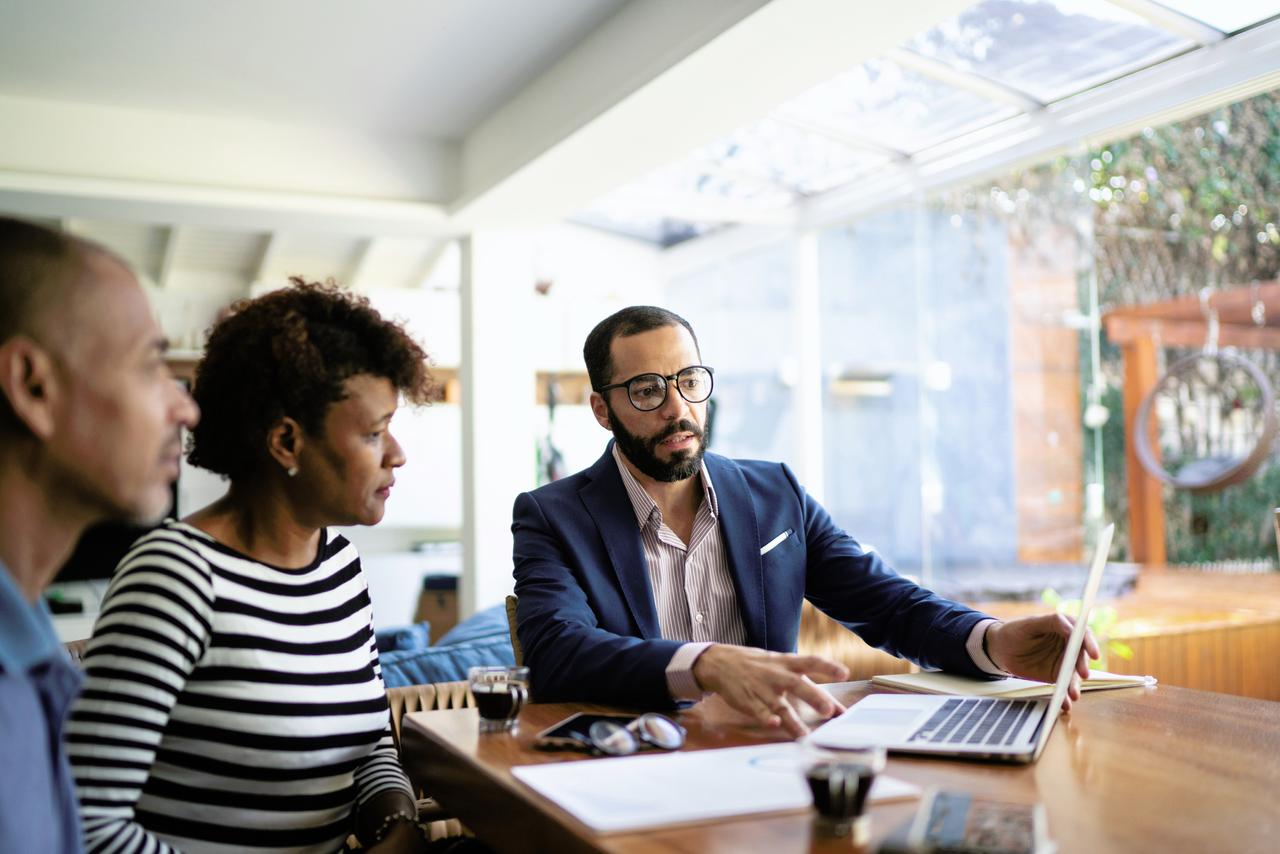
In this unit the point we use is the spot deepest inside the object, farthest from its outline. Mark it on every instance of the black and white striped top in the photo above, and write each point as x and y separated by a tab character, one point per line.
230	705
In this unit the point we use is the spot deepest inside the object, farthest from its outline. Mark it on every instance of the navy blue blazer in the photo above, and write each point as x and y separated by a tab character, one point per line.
587	619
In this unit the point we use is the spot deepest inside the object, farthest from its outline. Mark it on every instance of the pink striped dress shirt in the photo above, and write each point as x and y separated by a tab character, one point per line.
691	583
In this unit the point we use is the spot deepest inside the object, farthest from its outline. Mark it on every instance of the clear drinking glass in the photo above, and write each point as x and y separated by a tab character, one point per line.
840	781
500	692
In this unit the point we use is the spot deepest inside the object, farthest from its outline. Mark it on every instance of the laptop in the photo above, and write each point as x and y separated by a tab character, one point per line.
1005	730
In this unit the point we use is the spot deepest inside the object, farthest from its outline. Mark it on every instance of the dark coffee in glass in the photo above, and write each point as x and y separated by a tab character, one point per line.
840	787
500	692
499	702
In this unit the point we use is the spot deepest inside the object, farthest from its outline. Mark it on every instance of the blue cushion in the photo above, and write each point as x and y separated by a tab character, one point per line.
482	638
416	636
482	624
444	663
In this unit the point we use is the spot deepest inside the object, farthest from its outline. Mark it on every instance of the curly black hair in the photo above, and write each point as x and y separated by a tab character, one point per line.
288	353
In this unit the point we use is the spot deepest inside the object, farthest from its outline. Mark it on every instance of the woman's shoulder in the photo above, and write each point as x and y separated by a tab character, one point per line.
335	543
170	540
169	558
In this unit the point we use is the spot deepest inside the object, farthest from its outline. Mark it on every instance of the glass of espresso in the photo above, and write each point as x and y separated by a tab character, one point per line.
500	693
840	784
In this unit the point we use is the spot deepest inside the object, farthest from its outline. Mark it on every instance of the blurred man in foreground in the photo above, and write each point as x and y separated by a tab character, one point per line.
90	423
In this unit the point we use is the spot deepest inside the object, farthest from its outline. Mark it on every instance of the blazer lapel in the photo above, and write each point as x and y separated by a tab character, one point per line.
605	499
741	534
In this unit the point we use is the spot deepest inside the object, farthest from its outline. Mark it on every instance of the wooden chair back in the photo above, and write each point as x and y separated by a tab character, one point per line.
512	601
426	698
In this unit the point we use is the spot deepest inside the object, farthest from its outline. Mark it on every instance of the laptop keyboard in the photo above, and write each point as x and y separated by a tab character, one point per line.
985	721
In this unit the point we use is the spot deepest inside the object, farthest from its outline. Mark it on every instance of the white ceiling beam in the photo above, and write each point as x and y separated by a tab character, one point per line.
656	81
166	147
266	256
241	165
444	251
47	195
168	256
983	87
639	44
358	271
1172	21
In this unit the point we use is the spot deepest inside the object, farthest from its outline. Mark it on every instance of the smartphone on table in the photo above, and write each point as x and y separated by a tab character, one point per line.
573	731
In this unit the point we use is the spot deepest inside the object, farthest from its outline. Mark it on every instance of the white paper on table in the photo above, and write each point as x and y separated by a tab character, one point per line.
658	790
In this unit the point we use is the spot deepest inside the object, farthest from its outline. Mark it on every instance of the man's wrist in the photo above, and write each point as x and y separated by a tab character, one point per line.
978	645
986	643
696	659
682	683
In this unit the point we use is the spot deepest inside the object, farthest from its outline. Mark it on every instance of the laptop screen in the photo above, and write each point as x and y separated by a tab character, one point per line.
1072	651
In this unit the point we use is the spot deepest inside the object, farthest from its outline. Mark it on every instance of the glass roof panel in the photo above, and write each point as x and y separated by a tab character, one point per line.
776	153
1227	16
663	231
883	103
698	177
683	200
1048	48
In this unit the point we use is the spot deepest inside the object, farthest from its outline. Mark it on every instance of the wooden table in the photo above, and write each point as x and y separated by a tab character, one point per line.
1139	769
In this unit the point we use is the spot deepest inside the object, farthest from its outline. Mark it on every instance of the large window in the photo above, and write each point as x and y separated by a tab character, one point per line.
741	310
973	417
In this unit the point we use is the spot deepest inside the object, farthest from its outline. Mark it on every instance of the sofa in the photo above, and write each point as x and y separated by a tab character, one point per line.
409	658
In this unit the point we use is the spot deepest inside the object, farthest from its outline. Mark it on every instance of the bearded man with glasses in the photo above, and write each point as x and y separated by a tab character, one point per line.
663	573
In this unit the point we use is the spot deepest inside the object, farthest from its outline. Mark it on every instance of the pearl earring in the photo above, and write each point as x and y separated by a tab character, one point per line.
292	471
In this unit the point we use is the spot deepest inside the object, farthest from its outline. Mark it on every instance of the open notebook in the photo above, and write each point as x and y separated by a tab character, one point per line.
1011	687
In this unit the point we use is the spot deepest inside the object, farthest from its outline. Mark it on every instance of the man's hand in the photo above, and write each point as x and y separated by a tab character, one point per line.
763	684
1032	647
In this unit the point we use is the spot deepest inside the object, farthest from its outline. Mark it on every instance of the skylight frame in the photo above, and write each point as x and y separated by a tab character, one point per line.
1018	111
1226	17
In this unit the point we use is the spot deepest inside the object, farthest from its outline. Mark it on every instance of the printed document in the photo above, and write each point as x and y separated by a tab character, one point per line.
624	793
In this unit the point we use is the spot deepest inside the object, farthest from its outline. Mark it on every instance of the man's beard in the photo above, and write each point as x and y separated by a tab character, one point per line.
642	452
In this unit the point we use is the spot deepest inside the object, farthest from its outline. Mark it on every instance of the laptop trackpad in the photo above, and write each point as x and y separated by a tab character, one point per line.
887	719
895	719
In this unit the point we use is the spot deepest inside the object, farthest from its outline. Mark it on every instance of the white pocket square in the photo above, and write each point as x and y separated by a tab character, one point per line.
776	541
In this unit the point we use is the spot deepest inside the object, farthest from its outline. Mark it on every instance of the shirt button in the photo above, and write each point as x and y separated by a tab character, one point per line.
698	616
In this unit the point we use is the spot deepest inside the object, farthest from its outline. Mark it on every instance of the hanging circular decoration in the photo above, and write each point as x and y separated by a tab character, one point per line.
1213	416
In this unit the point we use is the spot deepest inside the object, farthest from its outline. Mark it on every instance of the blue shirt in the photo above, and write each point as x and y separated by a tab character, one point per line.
38	810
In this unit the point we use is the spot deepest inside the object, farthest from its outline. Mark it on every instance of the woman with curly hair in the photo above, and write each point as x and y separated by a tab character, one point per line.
233	699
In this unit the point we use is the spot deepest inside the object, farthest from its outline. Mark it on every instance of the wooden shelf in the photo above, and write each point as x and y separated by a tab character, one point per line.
573	387
182	364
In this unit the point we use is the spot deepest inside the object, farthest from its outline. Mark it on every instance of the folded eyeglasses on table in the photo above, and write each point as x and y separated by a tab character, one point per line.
612	735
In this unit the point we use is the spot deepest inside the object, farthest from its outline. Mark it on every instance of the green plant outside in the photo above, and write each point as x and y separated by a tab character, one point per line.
1160	215
1102	622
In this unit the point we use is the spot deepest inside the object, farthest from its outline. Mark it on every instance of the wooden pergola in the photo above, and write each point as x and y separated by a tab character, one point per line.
1181	322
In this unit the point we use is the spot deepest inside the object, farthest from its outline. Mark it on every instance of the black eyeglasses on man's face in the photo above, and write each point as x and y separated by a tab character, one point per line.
647	392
